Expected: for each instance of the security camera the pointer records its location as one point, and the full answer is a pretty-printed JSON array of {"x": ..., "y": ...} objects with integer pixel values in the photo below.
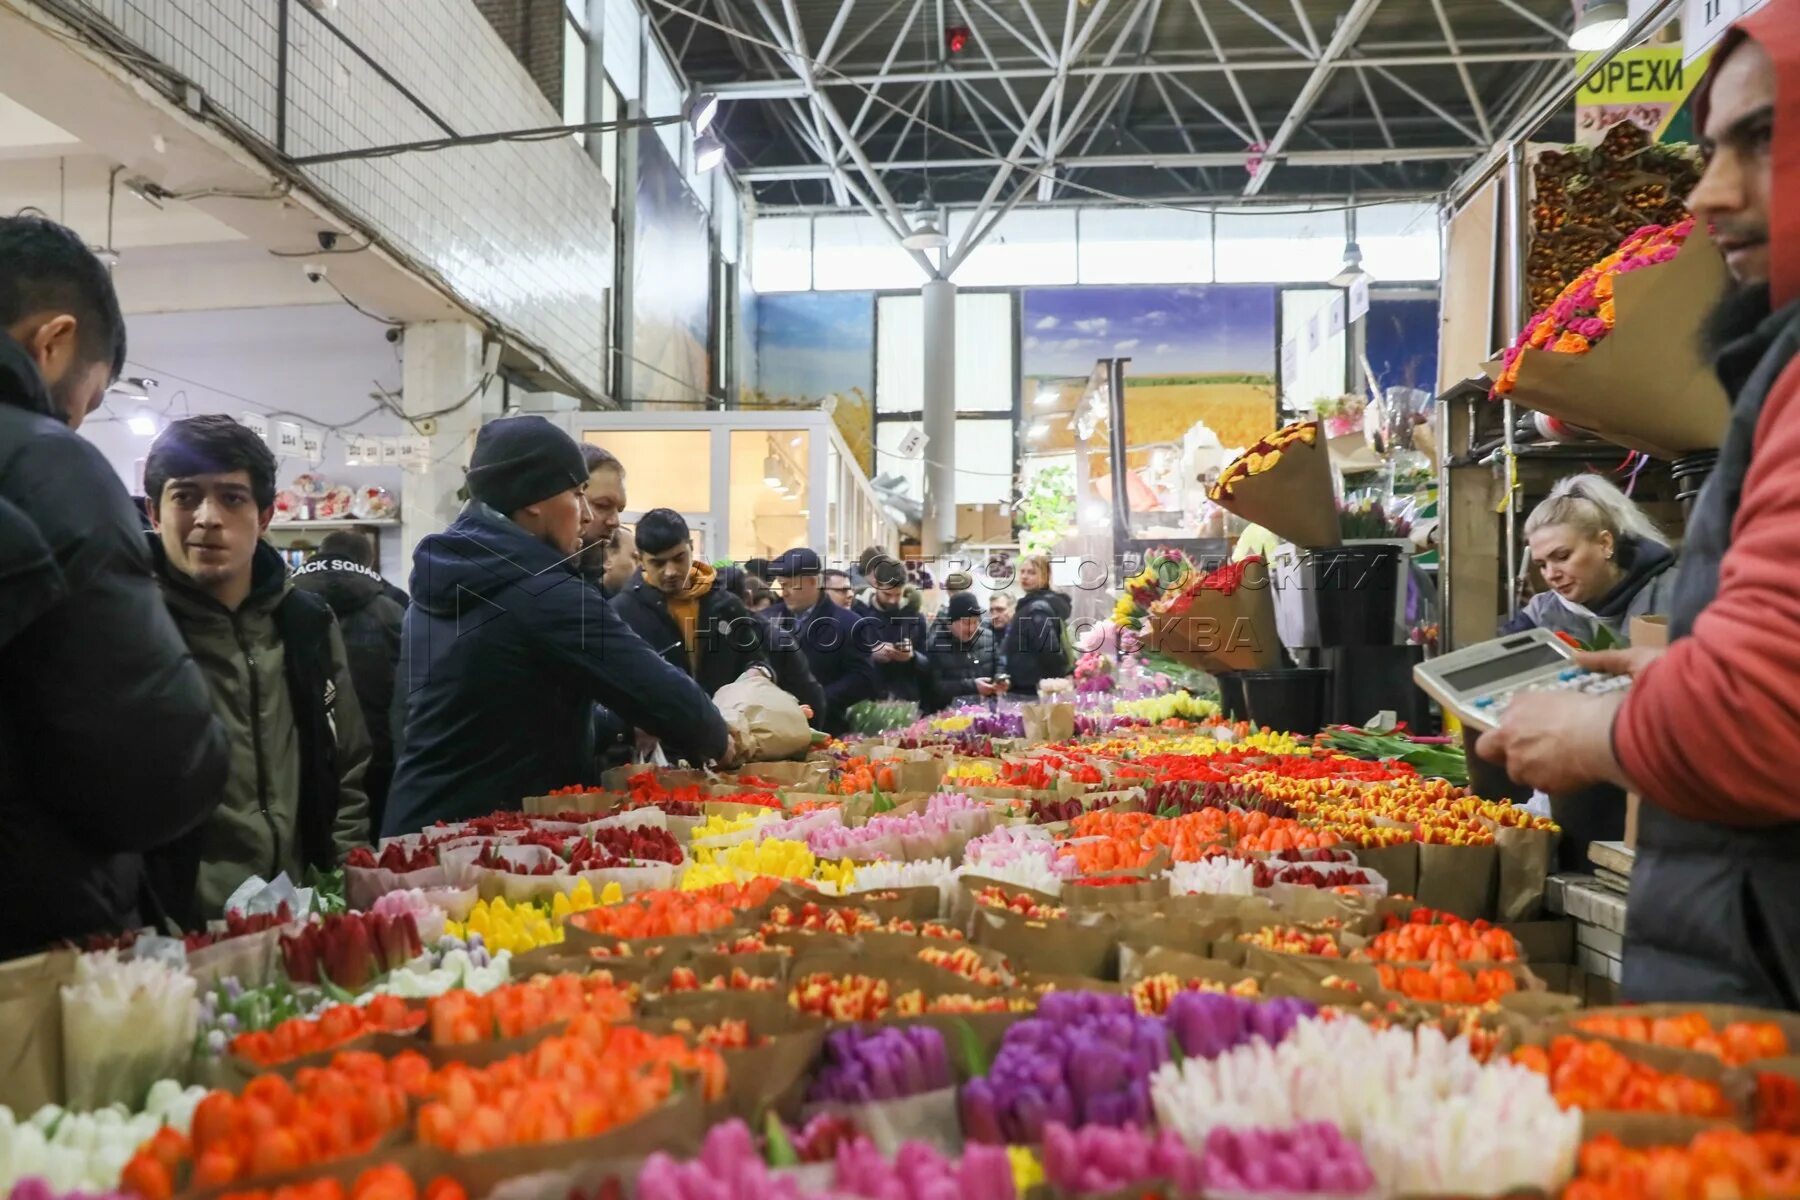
[
  {"x": 314, "y": 271},
  {"x": 328, "y": 240}
]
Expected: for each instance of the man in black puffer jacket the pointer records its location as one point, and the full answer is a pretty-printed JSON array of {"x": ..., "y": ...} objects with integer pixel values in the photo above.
[
  {"x": 342, "y": 574},
  {"x": 965, "y": 663},
  {"x": 108, "y": 743},
  {"x": 680, "y": 607}
]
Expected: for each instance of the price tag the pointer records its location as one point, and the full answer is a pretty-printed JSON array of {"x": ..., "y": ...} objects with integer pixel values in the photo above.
[
  {"x": 1705, "y": 22},
  {"x": 1290, "y": 361},
  {"x": 390, "y": 452},
  {"x": 1359, "y": 297},
  {"x": 1315, "y": 332},
  {"x": 288, "y": 438},
  {"x": 255, "y": 424},
  {"x": 312, "y": 442},
  {"x": 1334, "y": 316},
  {"x": 415, "y": 453},
  {"x": 912, "y": 444}
]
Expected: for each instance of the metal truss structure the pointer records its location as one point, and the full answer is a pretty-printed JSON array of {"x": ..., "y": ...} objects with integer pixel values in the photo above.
[{"x": 841, "y": 103}]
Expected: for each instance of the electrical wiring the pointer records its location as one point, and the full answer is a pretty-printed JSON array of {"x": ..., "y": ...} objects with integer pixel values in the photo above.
[
  {"x": 321, "y": 253},
  {"x": 1024, "y": 170},
  {"x": 388, "y": 321}
]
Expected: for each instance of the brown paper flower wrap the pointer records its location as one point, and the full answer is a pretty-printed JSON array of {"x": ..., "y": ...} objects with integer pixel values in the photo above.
[
  {"x": 1283, "y": 483},
  {"x": 1219, "y": 631},
  {"x": 1647, "y": 385}
]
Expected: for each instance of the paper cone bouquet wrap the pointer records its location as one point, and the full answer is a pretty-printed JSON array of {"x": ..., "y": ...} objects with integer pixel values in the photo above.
[
  {"x": 1215, "y": 621},
  {"x": 1283, "y": 483},
  {"x": 1619, "y": 351}
]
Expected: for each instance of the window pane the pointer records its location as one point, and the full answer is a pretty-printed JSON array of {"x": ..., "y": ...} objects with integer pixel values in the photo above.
[
  {"x": 1145, "y": 246},
  {"x": 662, "y": 98},
  {"x": 771, "y": 497},
  {"x": 781, "y": 254},
  {"x": 609, "y": 141},
  {"x": 624, "y": 37},
  {"x": 984, "y": 455},
  {"x": 1278, "y": 247},
  {"x": 985, "y": 379},
  {"x": 1028, "y": 246},
  {"x": 854, "y": 253},
  {"x": 664, "y": 468},
  {"x": 575, "y": 78}
]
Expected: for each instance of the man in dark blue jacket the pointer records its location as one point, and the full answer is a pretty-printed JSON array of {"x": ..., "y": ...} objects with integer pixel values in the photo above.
[
  {"x": 108, "y": 743},
  {"x": 835, "y": 649},
  {"x": 508, "y": 648}
]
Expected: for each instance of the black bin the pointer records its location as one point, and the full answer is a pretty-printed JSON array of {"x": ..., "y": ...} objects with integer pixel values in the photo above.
[
  {"x": 1366, "y": 680},
  {"x": 1288, "y": 701},
  {"x": 1352, "y": 592},
  {"x": 1231, "y": 696}
]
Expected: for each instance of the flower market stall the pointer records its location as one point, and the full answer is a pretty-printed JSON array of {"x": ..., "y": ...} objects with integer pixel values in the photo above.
[{"x": 1168, "y": 954}]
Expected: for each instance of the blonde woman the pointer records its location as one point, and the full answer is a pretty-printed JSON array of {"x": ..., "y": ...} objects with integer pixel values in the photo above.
[
  {"x": 1036, "y": 646},
  {"x": 1603, "y": 560}
]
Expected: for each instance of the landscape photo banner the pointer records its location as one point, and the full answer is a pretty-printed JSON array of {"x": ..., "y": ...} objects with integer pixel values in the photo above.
[{"x": 1198, "y": 354}]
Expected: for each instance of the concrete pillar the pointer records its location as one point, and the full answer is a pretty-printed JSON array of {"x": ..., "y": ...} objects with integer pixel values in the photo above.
[
  {"x": 938, "y": 527},
  {"x": 444, "y": 364}
]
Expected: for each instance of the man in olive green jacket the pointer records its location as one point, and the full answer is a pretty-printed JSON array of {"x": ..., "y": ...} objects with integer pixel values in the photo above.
[{"x": 274, "y": 660}]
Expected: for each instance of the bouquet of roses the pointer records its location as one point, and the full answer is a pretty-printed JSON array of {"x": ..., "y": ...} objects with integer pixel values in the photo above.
[
  {"x": 1220, "y": 620},
  {"x": 1283, "y": 483},
  {"x": 1585, "y": 311},
  {"x": 1618, "y": 351}
]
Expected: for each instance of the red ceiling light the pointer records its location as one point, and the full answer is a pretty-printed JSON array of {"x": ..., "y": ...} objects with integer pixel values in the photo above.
[{"x": 956, "y": 37}]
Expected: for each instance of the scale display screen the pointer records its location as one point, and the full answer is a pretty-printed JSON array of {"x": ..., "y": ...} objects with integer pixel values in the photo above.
[{"x": 1507, "y": 666}]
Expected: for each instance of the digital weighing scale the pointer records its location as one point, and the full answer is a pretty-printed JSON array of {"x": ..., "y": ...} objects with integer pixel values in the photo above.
[{"x": 1477, "y": 682}]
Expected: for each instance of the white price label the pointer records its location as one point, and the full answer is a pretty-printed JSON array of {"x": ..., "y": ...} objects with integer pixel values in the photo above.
[
  {"x": 912, "y": 443},
  {"x": 288, "y": 438},
  {"x": 1290, "y": 361},
  {"x": 312, "y": 442},
  {"x": 1359, "y": 297},
  {"x": 1334, "y": 317},
  {"x": 1704, "y": 23},
  {"x": 255, "y": 424},
  {"x": 1315, "y": 332},
  {"x": 390, "y": 452}
]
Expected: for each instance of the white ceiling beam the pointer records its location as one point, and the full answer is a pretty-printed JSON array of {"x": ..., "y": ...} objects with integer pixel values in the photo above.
[
  {"x": 850, "y": 46},
  {"x": 775, "y": 88},
  {"x": 1374, "y": 156},
  {"x": 1343, "y": 38},
  {"x": 1237, "y": 89},
  {"x": 1462, "y": 71},
  {"x": 1297, "y": 47},
  {"x": 887, "y": 64},
  {"x": 1430, "y": 105},
  {"x": 1043, "y": 53}
]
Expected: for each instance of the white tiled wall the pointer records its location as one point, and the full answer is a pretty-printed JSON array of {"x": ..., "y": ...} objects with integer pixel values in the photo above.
[{"x": 520, "y": 231}]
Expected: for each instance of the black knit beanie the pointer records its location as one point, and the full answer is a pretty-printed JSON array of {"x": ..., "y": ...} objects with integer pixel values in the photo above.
[{"x": 522, "y": 460}]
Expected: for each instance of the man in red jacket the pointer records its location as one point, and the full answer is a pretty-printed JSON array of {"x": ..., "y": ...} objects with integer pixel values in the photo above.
[{"x": 1709, "y": 733}]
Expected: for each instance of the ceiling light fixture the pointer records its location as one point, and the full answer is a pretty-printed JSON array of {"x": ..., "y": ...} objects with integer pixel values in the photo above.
[
  {"x": 702, "y": 108},
  {"x": 709, "y": 152},
  {"x": 925, "y": 236},
  {"x": 1352, "y": 268},
  {"x": 142, "y": 422},
  {"x": 1599, "y": 24}
]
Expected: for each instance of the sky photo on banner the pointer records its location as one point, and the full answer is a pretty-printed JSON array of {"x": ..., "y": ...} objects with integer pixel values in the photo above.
[
  {"x": 1197, "y": 354},
  {"x": 810, "y": 345}
]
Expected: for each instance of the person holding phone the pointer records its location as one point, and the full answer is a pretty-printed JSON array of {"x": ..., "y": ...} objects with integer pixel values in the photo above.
[
  {"x": 963, "y": 655},
  {"x": 896, "y": 632}
]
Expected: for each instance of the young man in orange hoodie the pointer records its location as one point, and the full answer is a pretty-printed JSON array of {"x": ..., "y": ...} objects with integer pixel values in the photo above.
[
  {"x": 678, "y": 606},
  {"x": 1709, "y": 733}
]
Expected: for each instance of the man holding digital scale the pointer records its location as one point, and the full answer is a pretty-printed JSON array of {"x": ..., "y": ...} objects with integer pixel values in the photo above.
[{"x": 1708, "y": 733}]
